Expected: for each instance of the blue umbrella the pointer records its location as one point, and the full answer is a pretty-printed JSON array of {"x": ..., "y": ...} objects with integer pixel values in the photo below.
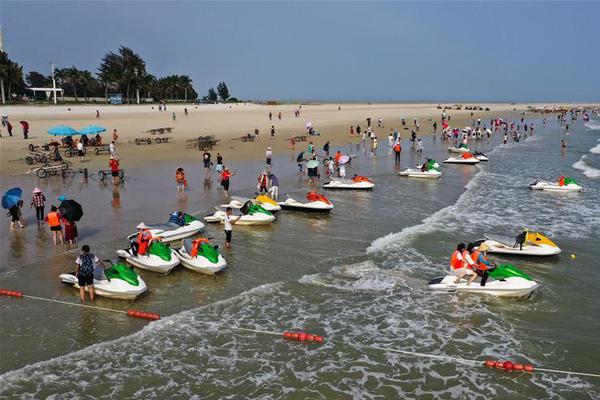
[
  {"x": 11, "y": 197},
  {"x": 62, "y": 130},
  {"x": 92, "y": 130}
]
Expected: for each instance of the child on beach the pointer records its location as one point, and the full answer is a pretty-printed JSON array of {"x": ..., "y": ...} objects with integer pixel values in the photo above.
[
  {"x": 53, "y": 220},
  {"x": 228, "y": 222},
  {"x": 180, "y": 179},
  {"x": 38, "y": 200}
]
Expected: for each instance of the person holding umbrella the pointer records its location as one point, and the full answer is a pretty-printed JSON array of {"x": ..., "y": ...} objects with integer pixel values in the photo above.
[
  {"x": 12, "y": 202},
  {"x": 53, "y": 220},
  {"x": 70, "y": 212}
]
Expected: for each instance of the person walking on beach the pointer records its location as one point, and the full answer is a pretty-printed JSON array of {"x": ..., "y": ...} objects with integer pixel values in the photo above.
[
  {"x": 97, "y": 114},
  {"x": 274, "y": 186},
  {"x": 115, "y": 136},
  {"x": 228, "y": 222},
  {"x": 368, "y": 122},
  {"x": 173, "y": 116},
  {"x": 272, "y": 131},
  {"x": 71, "y": 234},
  {"x": 38, "y": 200},
  {"x": 358, "y": 130},
  {"x": 113, "y": 163},
  {"x": 53, "y": 220},
  {"x": 219, "y": 166},
  {"x": 180, "y": 180},
  {"x": 397, "y": 149},
  {"x": 25, "y": 126},
  {"x": 206, "y": 162},
  {"x": 268, "y": 156},
  {"x": 80, "y": 150},
  {"x": 85, "y": 272},
  {"x": 9, "y": 128},
  {"x": 351, "y": 130},
  {"x": 112, "y": 149},
  {"x": 225, "y": 177},
  {"x": 270, "y": 116},
  {"x": 15, "y": 215}
]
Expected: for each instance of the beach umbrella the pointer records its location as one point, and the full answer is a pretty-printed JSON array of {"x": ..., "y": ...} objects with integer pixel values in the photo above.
[
  {"x": 70, "y": 210},
  {"x": 312, "y": 164},
  {"x": 62, "y": 130},
  {"x": 92, "y": 130},
  {"x": 344, "y": 159},
  {"x": 11, "y": 197},
  {"x": 300, "y": 157}
]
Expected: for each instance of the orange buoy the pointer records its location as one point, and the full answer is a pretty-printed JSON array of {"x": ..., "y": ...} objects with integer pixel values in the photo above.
[
  {"x": 302, "y": 337},
  {"x": 143, "y": 315},
  {"x": 499, "y": 364},
  {"x": 490, "y": 363},
  {"x": 528, "y": 368},
  {"x": 508, "y": 365},
  {"x": 518, "y": 367},
  {"x": 12, "y": 293}
]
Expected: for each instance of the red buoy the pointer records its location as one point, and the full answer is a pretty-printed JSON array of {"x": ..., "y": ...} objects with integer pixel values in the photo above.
[
  {"x": 143, "y": 315},
  {"x": 518, "y": 367},
  {"x": 499, "y": 364},
  {"x": 508, "y": 365},
  {"x": 12, "y": 293},
  {"x": 302, "y": 337},
  {"x": 490, "y": 363},
  {"x": 528, "y": 367}
]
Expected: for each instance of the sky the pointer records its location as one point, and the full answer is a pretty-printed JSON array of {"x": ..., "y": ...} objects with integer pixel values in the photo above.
[{"x": 353, "y": 51}]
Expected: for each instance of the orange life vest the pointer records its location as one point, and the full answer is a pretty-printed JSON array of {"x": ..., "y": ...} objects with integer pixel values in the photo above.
[
  {"x": 143, "y": 239},
  {"x": 196, "y": 245},
  {"x": 397, "y": 147},
  {"x": 475, "y": 257},
  {"x": 455, "y": 263},
  {"x": 480, "y": 266},
  {"x": 314, "y": 196},
  {"x": 359, "y": 178},
  {"x": 561, "y": 181},
  {"x": 53, "y": 219},
  {"x": 467, "y": 155}
]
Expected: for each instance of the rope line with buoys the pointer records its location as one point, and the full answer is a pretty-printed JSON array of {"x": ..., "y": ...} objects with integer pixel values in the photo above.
[{"x": 304, "y": 337}]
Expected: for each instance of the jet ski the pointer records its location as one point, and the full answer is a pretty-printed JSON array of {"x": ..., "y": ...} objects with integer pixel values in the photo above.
[
  {"x": 207, "y": 260},
  {"x": 432, "y": 171},
  {"x": 159, "y": 258},
  {"x": 116, "y": 282},
  {"x": 466, "y": 158},
  {"x": 248, "y": 214},
  {"x": 357, "y": 183},
  {"x": 569, "y": 185},
  {"x": 533, "y": 244},
  {"x": 316, "y": 203},
  {"x": 171, "y": 231},
  {"x": 480, "y": 156},
  {"x": 264, "y": 201},
  {"x": 463, "y": 148},
  {"x": 504, "y": 281}
]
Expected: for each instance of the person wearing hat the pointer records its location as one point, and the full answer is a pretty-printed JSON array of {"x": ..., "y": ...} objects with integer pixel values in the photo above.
[
  {"x": 481, "y": 264},
  {"x": 38, "y": 200},
  {"x": 141, "y": 242},
  {"x": 268, "y": 155}
]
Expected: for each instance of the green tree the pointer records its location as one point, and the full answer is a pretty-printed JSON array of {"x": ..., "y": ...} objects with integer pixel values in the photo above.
[
  {"x": 11, "y": 75},
  {"x": 35, "y": 79},
  {"x": 212, "y": 95},
  {"x": 223, "y": 91},
  {"x": 124, "y": 70}
]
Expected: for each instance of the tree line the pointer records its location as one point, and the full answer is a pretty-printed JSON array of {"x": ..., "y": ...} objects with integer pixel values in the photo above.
[{"x": 122, "y": 72}]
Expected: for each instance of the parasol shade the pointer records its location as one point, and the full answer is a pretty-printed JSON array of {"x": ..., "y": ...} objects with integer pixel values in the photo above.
[
  {"x": 92, "y": 130},
  {"x": 62, "y": 130},
  {"x": 11, "y": 197},
  {"x": 70, "y": 210}
]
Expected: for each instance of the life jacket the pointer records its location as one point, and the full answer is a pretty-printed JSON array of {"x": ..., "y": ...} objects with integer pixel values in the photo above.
[
  {"x": 397, "y": 147},
  {"x": 314, "y": 196},
  {"x": 475, "y": 257},
  {"x": 455, "y": 263},
  {"x": 561, "y": 181},
  {"x": 53, "y": 219},
  {"x": 143, "y": 239},
  {"x": 359, "y": 178},
  {"x": 196, "y": 243},
  {"x": 480, "y": 266},
  {"x": 337, "y": 157},
  {"x": 467, "y": 156}
]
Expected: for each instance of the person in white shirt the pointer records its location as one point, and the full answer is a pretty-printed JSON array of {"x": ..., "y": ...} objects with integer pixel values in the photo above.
[
  {"x": 228, "y": 222},
  {"x": 80, "y": 151},
  {"x": 268, "y": 155},
  {"x": 113, "y": 150}
]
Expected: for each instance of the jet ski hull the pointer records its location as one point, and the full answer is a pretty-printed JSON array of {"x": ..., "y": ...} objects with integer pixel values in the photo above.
[
  {"x": 172, "y": 234},
  {"x": 508, "y": 287},
  {"x": 255, "y": 219},
  {"x": 554, "y": 187},
  {"x": 454, "y": 160},
  {"x": 348, "y": 185},
  {"x": 413, "y": 173},
  {"x": 458, "y": 150},
  {"x": 114, "y": 288},
  {"x": 150, "y": 262},
  {"x": 201, "y": 264},
  {"x": 313, "y": 206},
  {"x": 528, "y": 250}
]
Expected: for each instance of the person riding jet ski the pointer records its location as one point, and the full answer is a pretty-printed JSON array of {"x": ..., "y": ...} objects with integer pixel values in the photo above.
[
  {"x": 141, "y": 243},
  {"x": 245, "y": 207},
  {"x": 480, "y": 263},
  {"x": 177, "y": 217}
]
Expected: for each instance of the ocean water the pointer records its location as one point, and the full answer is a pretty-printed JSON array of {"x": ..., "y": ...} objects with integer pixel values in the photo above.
[{"x": 358, "y": 276}]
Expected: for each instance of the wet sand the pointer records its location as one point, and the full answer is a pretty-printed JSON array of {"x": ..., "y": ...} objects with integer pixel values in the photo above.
[{"x": 226, "y": 122}]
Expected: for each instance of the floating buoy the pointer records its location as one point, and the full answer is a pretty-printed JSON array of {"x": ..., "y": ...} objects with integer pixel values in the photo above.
[
  {"x": 303, "y": 337},
  {"x": 12, "y": 293},
  {"x": 573, "y": 256},
  {"x": 508, "y": 366},
  {"x": 143, "y": 315}
]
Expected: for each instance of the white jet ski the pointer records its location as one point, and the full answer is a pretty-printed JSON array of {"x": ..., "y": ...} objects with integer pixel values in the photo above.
[
  {"x": 262, "y": 200},
  {"x": 533, "y": 244},
  {"x": 316, "y": 203},
  {"x": 462, "y": 160},
  {"x": 248, "y": 214},
  {"x": 460, "y": 149},
  {"x": 207, "y": 260},
  {"x": 116, "y": 282},
  {"x": 504, "y": 281},
  {"x": 570, "y": 185},
  {"x": 356, "y": 183},
  {"x": 171, "y": 232},
  {"x": 159, "y": 258}
]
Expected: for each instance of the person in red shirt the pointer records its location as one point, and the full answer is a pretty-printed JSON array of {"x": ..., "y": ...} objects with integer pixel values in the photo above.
[
  {"x": 225, "y": 175},
  {"x": 114, "y": 169}
]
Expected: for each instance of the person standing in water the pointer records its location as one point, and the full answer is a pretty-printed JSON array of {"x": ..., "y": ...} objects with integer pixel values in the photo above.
[
  {"x": 53, "y": 220},
  {"x": 225, "y": 176},
  {"x": 38, "y": 200},
  {"x": 85, "y": 272},
  {"x": 15, "y": 215},
  {"x": 228, "y": 222},
  {"x": 563, "y": 145}
]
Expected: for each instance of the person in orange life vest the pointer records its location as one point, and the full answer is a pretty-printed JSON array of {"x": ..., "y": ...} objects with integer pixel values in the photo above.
[
  {"x": 458, "y": 263},
  {"x": 561, "y": 181},
  {"x": 141, "y": 243},
  {"x": 482, "y": 263},
  {"x": 471, "y": 259},
  {"x": 196, "y": 243},
  {"x": 53, "y": 220}
]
